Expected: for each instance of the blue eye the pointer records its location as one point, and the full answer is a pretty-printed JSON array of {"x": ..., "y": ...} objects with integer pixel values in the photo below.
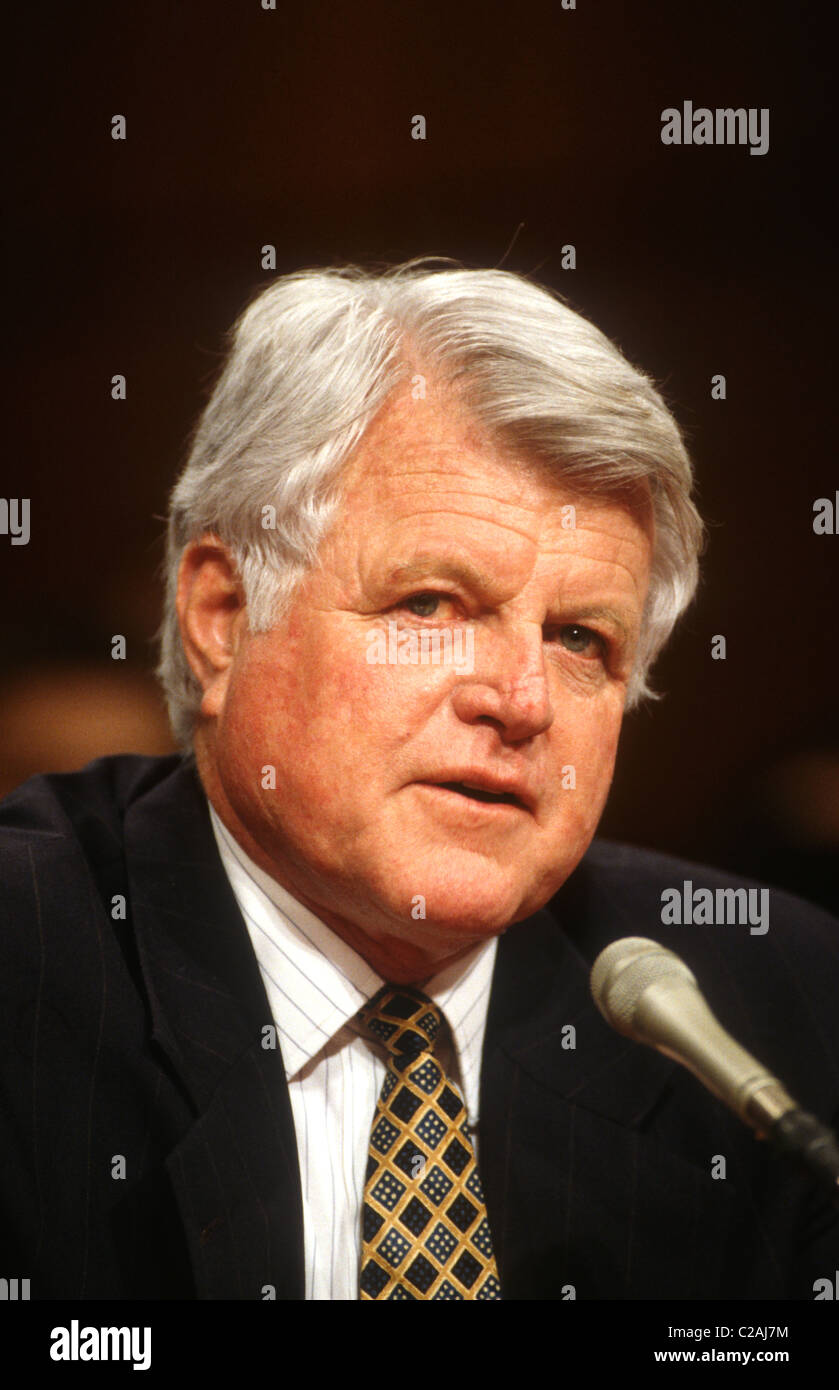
[
  {"x": 576, "y": 638},
  {"x": 423, "y": 605}
]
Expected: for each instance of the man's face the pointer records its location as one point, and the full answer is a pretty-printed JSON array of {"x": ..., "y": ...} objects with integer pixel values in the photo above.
[{"x": 437, "y": 529}]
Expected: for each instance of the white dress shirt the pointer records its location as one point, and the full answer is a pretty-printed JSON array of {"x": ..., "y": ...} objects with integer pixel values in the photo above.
[{"x": 315, "y": 985}]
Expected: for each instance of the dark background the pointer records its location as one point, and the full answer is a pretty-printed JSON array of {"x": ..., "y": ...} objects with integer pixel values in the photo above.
[{"x": 293, "y": 127}]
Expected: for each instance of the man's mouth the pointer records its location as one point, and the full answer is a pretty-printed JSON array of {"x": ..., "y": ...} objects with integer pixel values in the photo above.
[
  {"x": 482, "y": 794},
  {"x": 486, "y": 789}
]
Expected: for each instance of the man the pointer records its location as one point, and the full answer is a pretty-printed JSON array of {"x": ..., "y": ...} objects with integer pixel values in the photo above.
[{"x": 308, "y": 1016}]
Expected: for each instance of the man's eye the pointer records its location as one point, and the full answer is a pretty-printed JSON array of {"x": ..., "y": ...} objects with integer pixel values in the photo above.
[
  {"x": 422, "y": 605},
  {"x": 581, "y": 640}
]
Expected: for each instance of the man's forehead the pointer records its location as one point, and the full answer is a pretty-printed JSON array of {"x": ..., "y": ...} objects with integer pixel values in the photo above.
[
  {"x": 584, "y": 561},
  {"x": 431, "y": 437},
  {"x": 483, "y": 507},
  {"x": 436, "y": 447}
]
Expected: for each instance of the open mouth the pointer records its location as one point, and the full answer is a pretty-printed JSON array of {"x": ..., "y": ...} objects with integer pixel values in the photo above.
[{"x": 481, "y": 794}]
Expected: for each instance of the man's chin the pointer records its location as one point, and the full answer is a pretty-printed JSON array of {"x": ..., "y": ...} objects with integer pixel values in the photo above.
[{"x": 468, "y": 908}]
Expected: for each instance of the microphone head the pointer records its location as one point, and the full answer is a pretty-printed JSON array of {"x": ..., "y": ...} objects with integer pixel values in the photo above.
[{"x": 624, "y": 971}]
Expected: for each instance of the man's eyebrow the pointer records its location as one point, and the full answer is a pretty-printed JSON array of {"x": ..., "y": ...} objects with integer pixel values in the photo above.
[
  {"x": 606, "y": 614},
  {"x": 422, "y": 566}
]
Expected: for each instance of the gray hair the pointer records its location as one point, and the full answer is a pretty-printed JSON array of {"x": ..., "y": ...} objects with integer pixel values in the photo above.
[{"x": 314, "y": 358}]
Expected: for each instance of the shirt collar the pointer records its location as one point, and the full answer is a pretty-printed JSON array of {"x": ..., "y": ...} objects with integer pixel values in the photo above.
[{"x": 316, "y": 982}]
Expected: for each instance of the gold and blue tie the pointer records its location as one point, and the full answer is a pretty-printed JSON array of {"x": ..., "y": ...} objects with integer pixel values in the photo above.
[{"x": 424, "y": 1222}]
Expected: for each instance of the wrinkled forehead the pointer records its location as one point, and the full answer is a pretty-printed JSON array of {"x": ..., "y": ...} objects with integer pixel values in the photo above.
[{"x": 436, "y": 446}]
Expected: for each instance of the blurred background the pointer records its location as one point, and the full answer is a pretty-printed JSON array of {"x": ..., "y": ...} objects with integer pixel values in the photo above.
[{"x": 292, "y": 127}]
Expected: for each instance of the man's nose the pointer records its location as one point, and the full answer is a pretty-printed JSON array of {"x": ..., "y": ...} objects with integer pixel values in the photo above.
[{"x": 509, "y": 685}]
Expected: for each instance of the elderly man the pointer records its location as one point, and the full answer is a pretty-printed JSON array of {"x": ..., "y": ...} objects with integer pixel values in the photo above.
[{"x": 305, "y": 1014}]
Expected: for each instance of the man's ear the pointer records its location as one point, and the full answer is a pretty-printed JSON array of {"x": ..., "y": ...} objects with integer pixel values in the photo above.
[{"x": 212, "y": 614}]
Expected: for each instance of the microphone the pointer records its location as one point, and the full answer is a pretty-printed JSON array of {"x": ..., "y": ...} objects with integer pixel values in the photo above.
[{"x": 647, "y": 993}]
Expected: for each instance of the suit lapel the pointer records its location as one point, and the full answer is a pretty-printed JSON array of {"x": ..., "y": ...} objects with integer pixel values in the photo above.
[
  {"x": 235, "y": 1171},
  {"x": 575, "y": 1188}
]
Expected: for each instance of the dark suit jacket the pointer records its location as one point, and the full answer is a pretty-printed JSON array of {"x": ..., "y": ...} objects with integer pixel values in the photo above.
[{"x": 135, "y": 1046}]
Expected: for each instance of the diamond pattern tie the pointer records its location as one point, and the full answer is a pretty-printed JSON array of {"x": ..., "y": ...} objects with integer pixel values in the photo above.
[{"x": 425, "y": 1229}]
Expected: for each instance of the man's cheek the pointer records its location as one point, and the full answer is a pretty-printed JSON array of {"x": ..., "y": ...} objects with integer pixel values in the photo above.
[
  {"x": 583, "y": 775},
  {"x": 368, "y": 699}
]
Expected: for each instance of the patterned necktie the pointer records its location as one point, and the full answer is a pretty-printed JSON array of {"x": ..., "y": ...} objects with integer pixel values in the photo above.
[{"x": 425, "y": 1227}]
